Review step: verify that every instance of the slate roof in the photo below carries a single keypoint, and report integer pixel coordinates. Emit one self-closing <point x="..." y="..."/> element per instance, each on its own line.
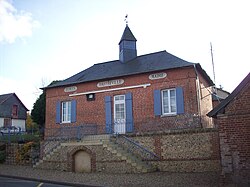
<point x="127" y="35"/>
<point x="5" y="97"/>
<point x="220" y="108"/>
<point x="141" y="64"/>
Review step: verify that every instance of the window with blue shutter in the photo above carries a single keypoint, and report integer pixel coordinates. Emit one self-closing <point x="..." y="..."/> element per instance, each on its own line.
<point x="108" y="114"/>
<point x="157" y="102"/>
<point x="179" y="100"/>
<point x="73" y="111"/>
<point x="168" y="102"/>
<point x="58" y="112"/>
<point x="129" y="112"/>
<point x="66" y="112"/>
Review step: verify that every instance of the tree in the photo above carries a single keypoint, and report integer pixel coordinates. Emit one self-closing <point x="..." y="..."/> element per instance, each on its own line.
<point x="38" y="111"/>
<point x="30" y="125"/>
<point x="29" y="121"/>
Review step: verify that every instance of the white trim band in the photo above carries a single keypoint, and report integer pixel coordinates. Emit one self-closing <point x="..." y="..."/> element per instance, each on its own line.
<point x="110" y="90"/>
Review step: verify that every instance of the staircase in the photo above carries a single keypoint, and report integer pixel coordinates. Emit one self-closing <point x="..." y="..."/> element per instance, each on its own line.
<point x="102" y="141"/>
<point x="135" y="161"/>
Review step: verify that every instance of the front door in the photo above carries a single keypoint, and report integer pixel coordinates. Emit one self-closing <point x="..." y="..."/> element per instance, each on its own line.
<point x="119" y="114"/>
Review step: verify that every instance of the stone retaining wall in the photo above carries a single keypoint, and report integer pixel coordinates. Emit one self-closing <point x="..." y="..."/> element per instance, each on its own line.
<point x="179" y="151"/>
<point x="188" y="150"/>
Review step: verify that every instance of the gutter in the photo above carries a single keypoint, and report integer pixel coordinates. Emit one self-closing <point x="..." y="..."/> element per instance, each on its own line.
<point x="198" y="93"/>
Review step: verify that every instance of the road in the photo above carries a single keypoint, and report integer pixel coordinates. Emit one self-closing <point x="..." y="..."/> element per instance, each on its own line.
<point x="10" y="182"/>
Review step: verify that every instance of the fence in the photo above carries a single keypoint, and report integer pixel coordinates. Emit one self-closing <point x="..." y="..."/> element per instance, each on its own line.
<point x="70" y="132"/>
<point x="12" y="136"/>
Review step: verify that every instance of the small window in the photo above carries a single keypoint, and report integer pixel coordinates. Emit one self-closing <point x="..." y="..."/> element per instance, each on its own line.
<point x="66" y="112"/>
<point x="168" y="101"/>
<point x="14" y="111"/>
<point x="90" y="97"/>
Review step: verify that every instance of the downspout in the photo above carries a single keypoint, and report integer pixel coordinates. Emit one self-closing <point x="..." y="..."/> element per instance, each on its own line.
<point x="198" y="93"/>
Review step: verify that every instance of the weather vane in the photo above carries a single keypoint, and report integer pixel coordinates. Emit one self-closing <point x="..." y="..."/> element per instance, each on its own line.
<point x="126" y="19"/>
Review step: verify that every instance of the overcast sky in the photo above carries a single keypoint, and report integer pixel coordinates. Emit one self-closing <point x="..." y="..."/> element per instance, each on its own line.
<point x="46" y="40"/>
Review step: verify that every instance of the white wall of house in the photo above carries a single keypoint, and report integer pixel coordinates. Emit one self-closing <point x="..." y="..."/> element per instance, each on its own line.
<point x="19" y="123"/>
<point x="1" y="122"/>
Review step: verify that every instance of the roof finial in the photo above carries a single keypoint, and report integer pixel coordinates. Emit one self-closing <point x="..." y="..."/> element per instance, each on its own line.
<point x="126" y="19"/>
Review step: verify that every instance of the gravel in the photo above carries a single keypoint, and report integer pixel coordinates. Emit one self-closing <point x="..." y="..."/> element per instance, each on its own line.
<point x="158" y="179"/>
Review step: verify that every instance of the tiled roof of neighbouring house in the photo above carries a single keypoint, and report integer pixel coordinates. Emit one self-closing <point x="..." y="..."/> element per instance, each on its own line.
<point x="220" y="108"/>
<point x="4" y="97"/>
<point x="9" y="97"/>
<point x="141" y="64"/>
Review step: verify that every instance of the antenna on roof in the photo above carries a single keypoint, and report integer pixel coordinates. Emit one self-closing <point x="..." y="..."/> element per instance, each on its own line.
<point x="212" y="61"/>
<point x="126" y="19"/>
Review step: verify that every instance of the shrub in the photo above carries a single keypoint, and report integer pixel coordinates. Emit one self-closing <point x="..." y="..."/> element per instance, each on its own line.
<point x="24" y="155"/>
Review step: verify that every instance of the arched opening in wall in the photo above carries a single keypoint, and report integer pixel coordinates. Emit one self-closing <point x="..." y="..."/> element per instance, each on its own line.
<point x="82" y="162"/>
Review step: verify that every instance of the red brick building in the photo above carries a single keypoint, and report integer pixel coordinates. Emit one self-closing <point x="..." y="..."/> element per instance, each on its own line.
<point x="152" y="92"/>
<point x="233" y="118"/>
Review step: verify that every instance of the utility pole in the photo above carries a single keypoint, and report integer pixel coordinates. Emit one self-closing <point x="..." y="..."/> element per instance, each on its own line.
<point x="212" y="61"/>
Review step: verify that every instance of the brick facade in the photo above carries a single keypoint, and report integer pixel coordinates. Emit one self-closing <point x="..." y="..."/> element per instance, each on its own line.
<point x="234" y="128"/>
<point x="233" y="118"/>
<point x="93" y="112"/>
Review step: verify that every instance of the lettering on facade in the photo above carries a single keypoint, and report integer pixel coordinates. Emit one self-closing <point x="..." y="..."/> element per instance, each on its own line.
<point x="110" y="83"/>
<point x="157" y="76"/>
<point x="70" y="89"/>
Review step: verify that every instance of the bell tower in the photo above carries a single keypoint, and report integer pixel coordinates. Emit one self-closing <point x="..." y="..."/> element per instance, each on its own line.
<point x="127" y="46"/>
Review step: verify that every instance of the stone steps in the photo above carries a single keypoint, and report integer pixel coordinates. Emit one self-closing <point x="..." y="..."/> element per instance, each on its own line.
<point x="135" y="162"/>
<point x="104" y="140"/>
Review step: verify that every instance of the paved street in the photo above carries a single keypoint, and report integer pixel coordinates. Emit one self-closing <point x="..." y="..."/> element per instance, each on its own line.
<point x="159" y="179"/>
<point x="11" y="182"/>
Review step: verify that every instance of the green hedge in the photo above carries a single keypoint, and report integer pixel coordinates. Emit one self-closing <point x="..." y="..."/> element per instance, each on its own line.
<point x="20" y="138"/>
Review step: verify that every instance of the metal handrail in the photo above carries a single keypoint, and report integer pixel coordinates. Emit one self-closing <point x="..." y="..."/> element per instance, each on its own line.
<point x="145" y="153"/>
<point x="70" y="132"/>
<point x="65" y="133"/>
<point x="143" y="149"/>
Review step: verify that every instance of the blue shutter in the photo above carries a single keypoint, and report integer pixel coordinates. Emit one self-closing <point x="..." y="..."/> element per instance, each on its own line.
<point x="58" y="112"/>
<point x="73" y="111"/>
<point x="129" y="113"/>
<point x="179" y="100"/>
<point x="108" y="114"/>
<point x="157" y="102"/>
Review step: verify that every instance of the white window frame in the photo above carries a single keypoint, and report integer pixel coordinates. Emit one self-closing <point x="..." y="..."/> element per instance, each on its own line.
<point x="66" y="112"/>
<point x="117" y="100"/>
<point x="120" y="126"/>
<point x="169" y="102"/>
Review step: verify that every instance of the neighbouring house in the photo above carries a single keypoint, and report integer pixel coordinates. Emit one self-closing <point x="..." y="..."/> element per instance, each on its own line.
<point x="151" y="92"/>
<point x="233" y="118"/>
<point x="12" y="111"/>
<point x="218" y="96"/>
